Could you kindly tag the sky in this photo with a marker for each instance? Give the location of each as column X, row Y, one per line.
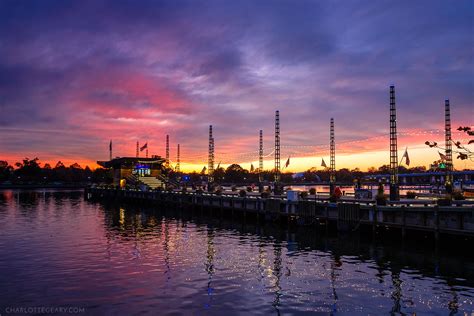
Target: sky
column 76, row 74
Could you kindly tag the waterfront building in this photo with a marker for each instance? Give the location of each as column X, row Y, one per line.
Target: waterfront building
column 133, row 170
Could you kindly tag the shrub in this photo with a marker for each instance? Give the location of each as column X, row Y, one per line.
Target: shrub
column 446, row 201
column 312, row 191
column 381, row 200
column 411, row 195
column 304, row 194
column 333, row 198
column 457, row 195
column 242, row 193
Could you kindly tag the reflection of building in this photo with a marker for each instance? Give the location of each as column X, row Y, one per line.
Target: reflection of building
column 135, row 169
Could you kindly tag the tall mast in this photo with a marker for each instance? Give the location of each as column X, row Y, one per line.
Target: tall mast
column 394, row 192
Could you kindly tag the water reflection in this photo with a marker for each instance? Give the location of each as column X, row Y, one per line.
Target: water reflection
column 131, row 259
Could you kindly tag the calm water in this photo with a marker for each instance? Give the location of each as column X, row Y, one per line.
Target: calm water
column 58, row 250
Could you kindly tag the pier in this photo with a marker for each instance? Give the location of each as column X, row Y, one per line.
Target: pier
column 345, row 215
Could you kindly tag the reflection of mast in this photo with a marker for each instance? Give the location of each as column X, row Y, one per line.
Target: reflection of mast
column 137, row 226
column 335, row 264
column 261, row 259
column 210, row 262
column 397, row 291
column 277, row 274
column 166, row 248
column 454, row 302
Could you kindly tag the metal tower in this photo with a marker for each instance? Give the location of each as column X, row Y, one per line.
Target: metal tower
column 210, row 163
column 167, row 150
column 332, row 165
column 260, row 157
column 138, row 148
column 277, row 146
column 178, row 161
column 448, row 146
column 394, row 193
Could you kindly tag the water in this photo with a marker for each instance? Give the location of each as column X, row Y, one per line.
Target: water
column 57, row 250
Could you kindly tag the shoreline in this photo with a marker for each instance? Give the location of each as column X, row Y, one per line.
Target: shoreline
column 43, row 186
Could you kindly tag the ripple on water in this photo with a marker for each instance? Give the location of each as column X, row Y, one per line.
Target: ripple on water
column 57, row 249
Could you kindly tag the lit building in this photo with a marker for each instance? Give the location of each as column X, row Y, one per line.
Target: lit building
column 134, row 170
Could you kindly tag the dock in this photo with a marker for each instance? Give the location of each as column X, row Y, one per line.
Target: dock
column 408, row 215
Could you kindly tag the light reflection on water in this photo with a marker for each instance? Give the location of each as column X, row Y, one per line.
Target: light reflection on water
column 58, row 250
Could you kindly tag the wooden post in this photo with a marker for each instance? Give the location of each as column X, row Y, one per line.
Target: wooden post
column 403, row 220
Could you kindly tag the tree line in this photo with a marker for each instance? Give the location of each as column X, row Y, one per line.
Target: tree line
column 32, row 171
column 236, row 174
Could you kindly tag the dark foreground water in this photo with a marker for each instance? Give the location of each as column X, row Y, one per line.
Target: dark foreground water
column 59, row 251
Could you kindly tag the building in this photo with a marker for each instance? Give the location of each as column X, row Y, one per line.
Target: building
column 136, row 170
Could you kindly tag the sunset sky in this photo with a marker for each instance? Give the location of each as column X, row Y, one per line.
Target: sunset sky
column 76, row 74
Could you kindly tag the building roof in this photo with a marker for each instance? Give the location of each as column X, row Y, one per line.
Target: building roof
column 118, row 162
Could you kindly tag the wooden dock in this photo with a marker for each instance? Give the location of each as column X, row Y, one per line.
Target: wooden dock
column 408, row 215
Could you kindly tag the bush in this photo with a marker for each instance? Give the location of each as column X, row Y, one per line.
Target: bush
column 303, row 194
column 312, row 191
column 333, row 198
column 381, row 200
column 446, row 201
column 242, row 193
column 457, row 195
column 411, row 195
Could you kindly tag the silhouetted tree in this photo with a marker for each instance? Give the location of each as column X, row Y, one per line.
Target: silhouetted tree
column 235, row 174
column 28, row 170
column 6, row 170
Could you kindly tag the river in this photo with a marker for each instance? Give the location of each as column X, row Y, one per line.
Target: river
column 57, row 250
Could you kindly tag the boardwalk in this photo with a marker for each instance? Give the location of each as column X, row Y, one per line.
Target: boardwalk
column 402, row 215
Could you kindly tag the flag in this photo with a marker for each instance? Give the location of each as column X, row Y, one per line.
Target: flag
column 443, row 156
column 405, row 155
column 323, row 163
column 144, row 147
column 204, row 169
column 287, row 162
column 251, row 167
